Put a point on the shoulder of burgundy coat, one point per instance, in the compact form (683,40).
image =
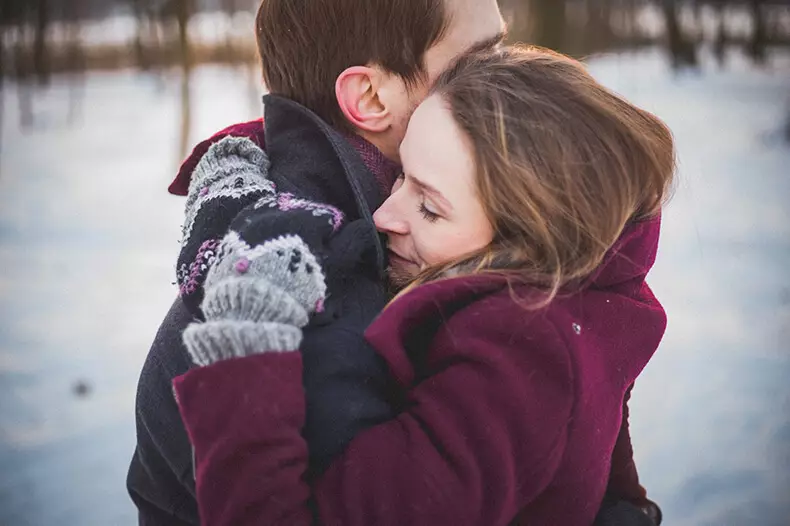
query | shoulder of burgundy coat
(253,130)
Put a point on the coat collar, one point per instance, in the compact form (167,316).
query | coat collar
(311,158)
(622,271)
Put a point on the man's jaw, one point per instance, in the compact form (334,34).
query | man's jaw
(401,271)
(399,259)
(397,280)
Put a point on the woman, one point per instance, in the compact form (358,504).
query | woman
(525,222)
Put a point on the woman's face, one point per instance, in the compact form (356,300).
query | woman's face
(434,214)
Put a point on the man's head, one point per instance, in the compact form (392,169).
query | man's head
(364,66)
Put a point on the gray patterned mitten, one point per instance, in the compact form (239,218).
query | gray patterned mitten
(257,299)
(231,176)
(231,167)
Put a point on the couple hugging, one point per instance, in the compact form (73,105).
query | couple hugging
(414,292)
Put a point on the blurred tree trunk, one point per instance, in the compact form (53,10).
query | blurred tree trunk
(630,18)
(4,21)
(229,7)
(548,27)
(186,115)
(4,15)
(139,10)
(720,38)
(184,10)
(599,24)
(683,52)
(254,84)
(41,57)
(75,57)
(758,42)
(23,70)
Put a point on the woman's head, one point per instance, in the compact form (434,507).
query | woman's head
(521,161)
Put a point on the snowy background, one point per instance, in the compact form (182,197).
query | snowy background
(88,237)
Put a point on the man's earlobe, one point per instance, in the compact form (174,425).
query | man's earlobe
(357,91)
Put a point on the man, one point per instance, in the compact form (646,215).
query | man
(361,69)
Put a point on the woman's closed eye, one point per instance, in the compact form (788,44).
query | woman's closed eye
(427,213)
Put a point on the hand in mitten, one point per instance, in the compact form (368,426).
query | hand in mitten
(231,176)
(233,165)
(257,299)
(280,214)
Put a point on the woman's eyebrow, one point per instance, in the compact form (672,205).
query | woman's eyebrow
(431,190)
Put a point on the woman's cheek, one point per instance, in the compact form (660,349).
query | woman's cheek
(432,248)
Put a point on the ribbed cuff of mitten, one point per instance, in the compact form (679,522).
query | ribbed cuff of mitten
(225,158)
(250,299)
(214,341)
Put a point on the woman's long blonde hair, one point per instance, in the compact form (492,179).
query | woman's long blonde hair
(563,164)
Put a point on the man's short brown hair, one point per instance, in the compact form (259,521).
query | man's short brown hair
(306,44)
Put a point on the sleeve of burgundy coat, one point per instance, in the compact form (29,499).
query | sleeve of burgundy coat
(482,437)
(624,479)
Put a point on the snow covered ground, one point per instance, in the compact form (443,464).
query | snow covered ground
(88,237)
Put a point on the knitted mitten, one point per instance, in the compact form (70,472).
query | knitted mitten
(229,177)
(257,299)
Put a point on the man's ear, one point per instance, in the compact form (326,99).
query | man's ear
(357,91)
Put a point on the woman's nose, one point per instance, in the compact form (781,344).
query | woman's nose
(388,220)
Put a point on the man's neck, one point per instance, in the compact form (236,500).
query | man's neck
(385,170)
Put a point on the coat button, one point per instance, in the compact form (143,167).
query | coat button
(577,328)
